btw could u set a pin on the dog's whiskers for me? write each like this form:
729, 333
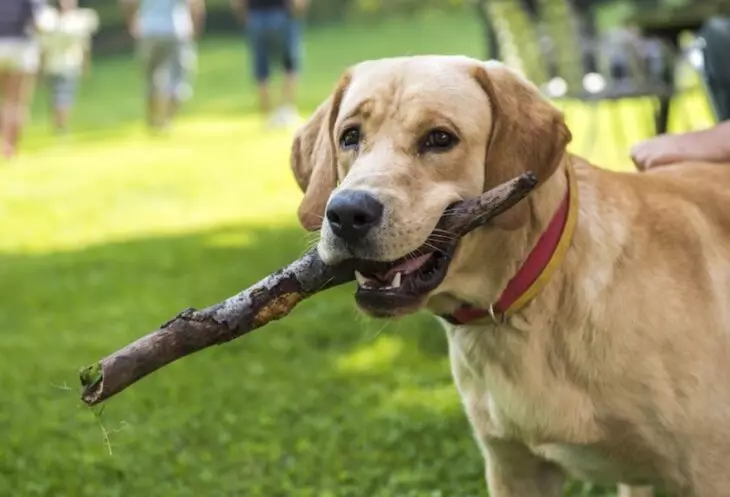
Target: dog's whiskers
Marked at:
441, 238
431, 246
443, 232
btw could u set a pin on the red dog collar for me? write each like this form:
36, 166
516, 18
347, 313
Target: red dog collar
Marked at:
537, 268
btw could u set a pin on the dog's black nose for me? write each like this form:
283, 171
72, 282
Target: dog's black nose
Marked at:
352, 213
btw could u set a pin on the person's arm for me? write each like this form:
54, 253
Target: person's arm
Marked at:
299, 7
240, 9
197, 12
87, 59
68, 4
36, 6
129, 11
708, 145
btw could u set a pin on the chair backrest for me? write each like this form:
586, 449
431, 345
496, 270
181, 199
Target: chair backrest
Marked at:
542, 40
568, 48
554, 43
517, 37
625, 61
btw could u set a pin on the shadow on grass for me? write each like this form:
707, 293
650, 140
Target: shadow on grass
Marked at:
324, 402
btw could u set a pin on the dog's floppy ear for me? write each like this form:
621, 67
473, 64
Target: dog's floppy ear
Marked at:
313, 159
528, 134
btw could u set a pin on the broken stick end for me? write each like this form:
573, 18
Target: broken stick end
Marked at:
91, 380
529, 179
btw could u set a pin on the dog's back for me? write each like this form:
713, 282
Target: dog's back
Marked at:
653, 257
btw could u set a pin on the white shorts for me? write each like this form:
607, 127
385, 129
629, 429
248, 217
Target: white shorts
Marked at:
19, 55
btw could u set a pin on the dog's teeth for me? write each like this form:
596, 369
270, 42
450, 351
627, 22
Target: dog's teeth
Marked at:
361, 280
396, 280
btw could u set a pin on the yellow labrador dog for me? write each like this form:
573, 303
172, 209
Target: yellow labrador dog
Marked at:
588, 326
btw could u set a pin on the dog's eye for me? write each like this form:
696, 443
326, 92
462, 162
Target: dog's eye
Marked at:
350, 138
438, 140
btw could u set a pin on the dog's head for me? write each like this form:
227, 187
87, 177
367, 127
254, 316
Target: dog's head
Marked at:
396, 144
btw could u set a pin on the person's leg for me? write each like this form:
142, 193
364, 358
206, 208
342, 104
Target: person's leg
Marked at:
152, 55
4, 76
284, 31
264, 96
18, 86
17, 89
716, 35
63, 90
182, 64
292, 60
257, 27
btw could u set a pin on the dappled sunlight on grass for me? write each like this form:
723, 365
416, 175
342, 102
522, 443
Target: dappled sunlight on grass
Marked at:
232, 239
379, 355
108, 232
207, 172
439, 399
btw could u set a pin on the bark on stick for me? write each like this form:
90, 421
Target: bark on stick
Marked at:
270, 299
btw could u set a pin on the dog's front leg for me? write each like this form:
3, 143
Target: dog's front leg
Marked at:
514, 471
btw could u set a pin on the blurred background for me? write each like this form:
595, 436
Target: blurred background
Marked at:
113, 218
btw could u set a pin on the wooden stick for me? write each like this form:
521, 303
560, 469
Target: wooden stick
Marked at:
270, 299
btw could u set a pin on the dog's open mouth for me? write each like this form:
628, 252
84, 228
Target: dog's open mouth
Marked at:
397, 287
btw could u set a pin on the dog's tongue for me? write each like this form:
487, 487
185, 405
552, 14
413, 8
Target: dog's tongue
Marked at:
408, 266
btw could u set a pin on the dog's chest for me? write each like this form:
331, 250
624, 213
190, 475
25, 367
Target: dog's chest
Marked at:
510, 390
597, 464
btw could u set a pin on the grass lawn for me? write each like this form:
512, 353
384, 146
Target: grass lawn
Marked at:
108, 233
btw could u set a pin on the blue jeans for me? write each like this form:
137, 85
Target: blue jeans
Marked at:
273, 32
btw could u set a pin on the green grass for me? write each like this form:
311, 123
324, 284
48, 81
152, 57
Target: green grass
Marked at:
107, 234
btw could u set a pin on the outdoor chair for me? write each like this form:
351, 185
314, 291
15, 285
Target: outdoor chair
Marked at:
554, 43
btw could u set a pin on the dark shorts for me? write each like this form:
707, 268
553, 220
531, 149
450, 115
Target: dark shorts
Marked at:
273, 33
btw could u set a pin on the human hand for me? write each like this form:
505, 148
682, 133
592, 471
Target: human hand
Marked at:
709, 145
647, 154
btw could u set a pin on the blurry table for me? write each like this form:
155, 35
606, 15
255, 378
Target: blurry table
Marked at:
667, 20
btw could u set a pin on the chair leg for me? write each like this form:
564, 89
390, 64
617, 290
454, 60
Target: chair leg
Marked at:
716, 33
589, 139
662, 115
651, 127
619, 132
684, 116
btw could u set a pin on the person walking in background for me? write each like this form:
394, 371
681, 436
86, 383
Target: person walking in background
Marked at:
19, 60
65, 37
273, 28
165, 31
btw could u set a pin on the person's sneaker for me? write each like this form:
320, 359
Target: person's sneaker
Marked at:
275, 119
8, 151
289, 115
283, 117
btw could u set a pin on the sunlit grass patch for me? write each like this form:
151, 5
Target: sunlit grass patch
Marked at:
107, 233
